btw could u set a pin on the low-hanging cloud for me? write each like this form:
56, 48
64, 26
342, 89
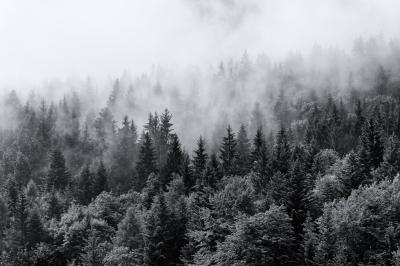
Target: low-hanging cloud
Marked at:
41, 40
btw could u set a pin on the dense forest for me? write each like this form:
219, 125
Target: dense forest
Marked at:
260, 163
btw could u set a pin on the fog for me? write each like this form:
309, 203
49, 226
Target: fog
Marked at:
166, 54
42, 39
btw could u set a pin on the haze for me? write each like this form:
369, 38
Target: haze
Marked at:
47, 39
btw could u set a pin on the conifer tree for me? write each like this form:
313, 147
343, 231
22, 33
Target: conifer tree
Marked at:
281, 152
174, 160
259, 156
85, 186
187, 173
200, 160
370, 151
99, 183
228, 153
129, 232
243, 151
58, 176
22, 169
146, 162
157, 234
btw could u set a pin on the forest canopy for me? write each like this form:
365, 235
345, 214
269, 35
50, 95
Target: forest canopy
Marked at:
252, 163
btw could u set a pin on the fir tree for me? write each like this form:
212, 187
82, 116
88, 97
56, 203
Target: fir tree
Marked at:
174, 160
200, 160
58, 176
243, 151
228, 152
146, 162
281, 152
99, 183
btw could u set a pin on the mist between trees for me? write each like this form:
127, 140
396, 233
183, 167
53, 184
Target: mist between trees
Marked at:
251, 162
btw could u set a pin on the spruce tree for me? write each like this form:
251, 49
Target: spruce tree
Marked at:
228, 153
58, 176
146, 162
370, 151
200, 160
281, 152
22, 169
85, 186
243, 152
174, 160
187, 173
157, 234
99, 183
259, 155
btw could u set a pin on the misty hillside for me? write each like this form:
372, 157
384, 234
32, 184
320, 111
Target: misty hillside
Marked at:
250, 162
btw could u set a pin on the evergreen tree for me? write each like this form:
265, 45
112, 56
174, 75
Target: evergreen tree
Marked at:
187, 173
228, 153
22, 169
58, 176
146, 162
35, 230
243, 151
174, 160
124, 153
99, 183
157, 234
200, 160
129, 232
370, 151
260, 161
281, 152
85, 186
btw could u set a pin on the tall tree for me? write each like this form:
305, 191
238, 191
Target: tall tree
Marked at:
174, 160
146, 162
281, 152
99, 183
370, 151
243, 151
200, 160
58, 176
228, 152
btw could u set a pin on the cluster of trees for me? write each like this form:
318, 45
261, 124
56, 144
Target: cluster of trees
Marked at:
321, 189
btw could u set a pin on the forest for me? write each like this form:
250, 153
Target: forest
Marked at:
258, 163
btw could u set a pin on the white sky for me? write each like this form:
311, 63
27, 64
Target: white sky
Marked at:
45, 39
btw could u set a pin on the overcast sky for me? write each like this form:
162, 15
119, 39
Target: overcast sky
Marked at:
45, 39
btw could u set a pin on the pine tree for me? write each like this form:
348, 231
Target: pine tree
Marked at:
260, 160
157, 234
129, 232
297, 201
370, 151
35, 230
243, 151
281, 152
187, 173
58, 176
174, 160
22, 169
85, 185
164, 137
124, 153
213, 173
146, 163
228, 153
200, 160
99, 183
390, 166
